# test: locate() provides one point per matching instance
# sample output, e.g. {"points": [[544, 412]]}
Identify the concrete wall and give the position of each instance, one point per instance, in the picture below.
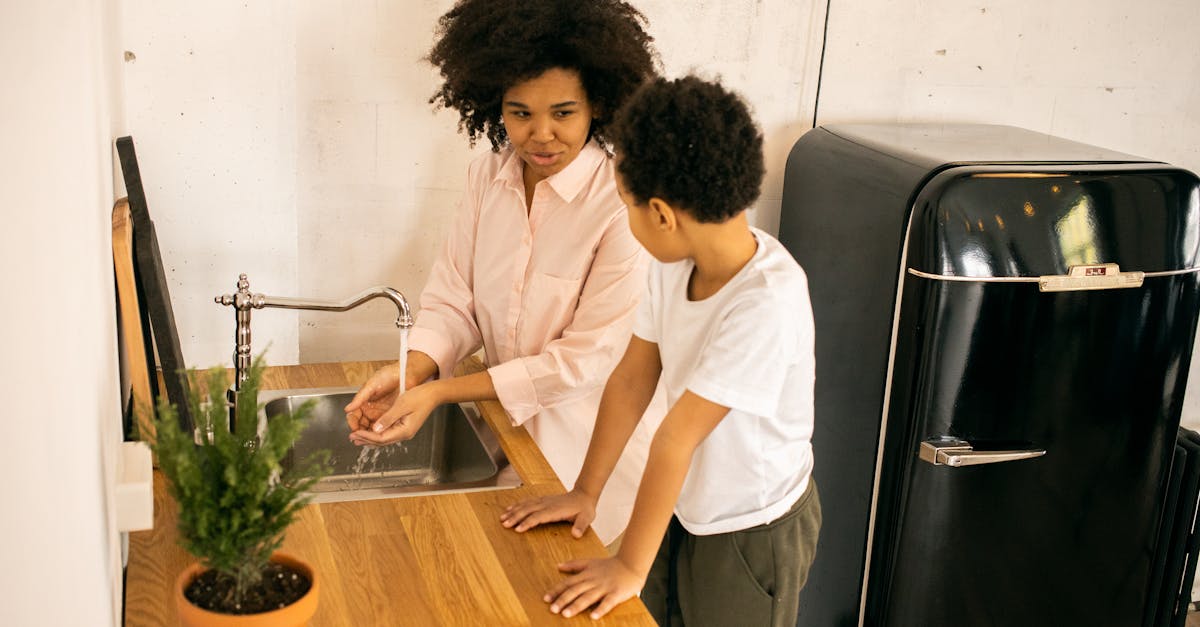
{"points": [[294, 142], [60, 551], [211, 108]]}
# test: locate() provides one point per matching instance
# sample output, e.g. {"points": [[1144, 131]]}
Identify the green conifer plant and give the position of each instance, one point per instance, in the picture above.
{"points": [[235, 498]]}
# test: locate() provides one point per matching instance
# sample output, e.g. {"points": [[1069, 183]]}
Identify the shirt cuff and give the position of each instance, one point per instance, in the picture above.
{"points": [[515, 390], [437, 347]]}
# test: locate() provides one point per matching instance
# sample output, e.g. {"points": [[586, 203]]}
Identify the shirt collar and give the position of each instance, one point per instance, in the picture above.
{"points": [[568, 182]]}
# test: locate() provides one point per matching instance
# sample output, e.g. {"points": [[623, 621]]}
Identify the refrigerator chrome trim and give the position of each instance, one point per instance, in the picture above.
{"points": [[1021, 279], [887, 401]]}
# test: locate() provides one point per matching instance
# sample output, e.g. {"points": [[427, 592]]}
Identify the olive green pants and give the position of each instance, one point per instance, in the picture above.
{"points": [[744, 578]]}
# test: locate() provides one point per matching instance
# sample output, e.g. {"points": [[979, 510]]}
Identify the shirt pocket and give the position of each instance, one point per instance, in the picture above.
{"points": [[549, 307]]}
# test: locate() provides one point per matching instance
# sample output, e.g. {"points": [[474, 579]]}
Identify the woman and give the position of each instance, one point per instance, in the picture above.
{"points": [[540, 268]]}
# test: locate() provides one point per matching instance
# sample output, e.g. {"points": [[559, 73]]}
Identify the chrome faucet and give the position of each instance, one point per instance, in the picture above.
{"points": [[243, 301]]}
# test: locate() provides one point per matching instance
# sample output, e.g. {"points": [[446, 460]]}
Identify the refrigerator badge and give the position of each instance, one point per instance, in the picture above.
{"points": [[1102, 276]]}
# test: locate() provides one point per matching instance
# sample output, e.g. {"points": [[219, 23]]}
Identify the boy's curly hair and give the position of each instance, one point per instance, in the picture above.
{"points": [[484, 47], [692, 144]]}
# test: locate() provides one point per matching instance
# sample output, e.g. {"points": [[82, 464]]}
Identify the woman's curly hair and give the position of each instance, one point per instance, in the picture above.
{"points": [[692, 144], [485, 47]]}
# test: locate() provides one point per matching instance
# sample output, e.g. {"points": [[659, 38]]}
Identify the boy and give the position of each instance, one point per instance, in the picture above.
{"points": [[726, 323]]}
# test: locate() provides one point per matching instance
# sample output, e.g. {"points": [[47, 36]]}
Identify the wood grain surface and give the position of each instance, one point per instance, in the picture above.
{"points": [[420, 560], [132, 334]]}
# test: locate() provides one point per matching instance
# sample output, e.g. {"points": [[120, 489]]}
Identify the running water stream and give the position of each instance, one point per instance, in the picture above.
{"points": [[368, 457]]}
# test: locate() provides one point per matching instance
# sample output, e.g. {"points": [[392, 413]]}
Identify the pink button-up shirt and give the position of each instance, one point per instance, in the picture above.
{"points": [[550, 294]]}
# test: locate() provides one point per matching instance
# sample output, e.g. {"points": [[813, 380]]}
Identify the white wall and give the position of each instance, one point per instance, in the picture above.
{"points": [[59, 551], [308, 123], [212, 110], [380, 172], [1116, 74]]}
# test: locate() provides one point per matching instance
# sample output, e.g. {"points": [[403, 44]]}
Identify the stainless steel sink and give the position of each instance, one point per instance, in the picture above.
{"points": [[454, 451]]}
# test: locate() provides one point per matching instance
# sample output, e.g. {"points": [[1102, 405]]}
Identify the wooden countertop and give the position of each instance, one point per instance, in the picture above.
{"points": [[419, 560]]}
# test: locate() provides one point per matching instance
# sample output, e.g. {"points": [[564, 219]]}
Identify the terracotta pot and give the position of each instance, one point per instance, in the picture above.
{"points": [[294, 615]]}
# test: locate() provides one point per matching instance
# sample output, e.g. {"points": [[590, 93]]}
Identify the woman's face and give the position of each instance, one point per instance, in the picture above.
{"points": [[547, 119]]}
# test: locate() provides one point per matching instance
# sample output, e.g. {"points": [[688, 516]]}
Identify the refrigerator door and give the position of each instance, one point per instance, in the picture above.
{"points": [[1032, 411]]}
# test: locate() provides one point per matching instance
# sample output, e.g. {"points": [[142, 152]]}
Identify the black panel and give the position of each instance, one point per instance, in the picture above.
{"points": [[1180, 555], [152, 288], [1170, 505]]}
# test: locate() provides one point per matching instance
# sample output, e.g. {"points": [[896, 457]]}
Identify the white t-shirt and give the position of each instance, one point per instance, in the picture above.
{"points": [[748, 347]]}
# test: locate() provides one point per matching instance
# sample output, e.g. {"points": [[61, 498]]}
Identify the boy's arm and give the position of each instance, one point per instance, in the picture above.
{"points": [[628, 392], [610, 582], [626, 397]]}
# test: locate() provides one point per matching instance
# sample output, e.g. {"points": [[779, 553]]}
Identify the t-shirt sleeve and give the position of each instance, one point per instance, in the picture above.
{"points": [[644, 322], [745, 364]]}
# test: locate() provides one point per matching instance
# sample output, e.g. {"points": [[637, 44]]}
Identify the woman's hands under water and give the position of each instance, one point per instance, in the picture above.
{"points": [[404, 418], [379, 394]]}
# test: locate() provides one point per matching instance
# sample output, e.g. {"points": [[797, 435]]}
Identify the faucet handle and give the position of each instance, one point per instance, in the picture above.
{"points": [[242, 299]]}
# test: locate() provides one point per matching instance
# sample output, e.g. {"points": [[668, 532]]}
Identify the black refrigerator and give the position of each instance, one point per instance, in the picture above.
{"points": [[1004, 324]]}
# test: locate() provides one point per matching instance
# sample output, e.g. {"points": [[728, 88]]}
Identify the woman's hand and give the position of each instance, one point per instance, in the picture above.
{"points": [[404, 418], [374, 398], [574, 507], [604, 583], [378, 394]]}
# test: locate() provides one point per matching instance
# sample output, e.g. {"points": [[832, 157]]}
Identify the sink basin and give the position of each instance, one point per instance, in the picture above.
{"points": [[455, 450]]}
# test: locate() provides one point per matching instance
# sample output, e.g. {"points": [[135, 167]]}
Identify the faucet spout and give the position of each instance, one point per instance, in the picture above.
{"points": [[404, 317], [243, 301]]}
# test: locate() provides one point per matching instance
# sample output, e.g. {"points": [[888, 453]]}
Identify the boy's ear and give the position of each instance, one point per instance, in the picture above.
{"points": [[664, 216]]}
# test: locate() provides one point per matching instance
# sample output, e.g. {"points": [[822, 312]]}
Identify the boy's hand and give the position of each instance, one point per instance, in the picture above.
{"points": [[575, 507], [604, 583], [403, 419]]}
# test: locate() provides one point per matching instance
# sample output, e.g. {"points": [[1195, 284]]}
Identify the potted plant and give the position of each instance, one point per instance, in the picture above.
{"points": [[235, 503]]}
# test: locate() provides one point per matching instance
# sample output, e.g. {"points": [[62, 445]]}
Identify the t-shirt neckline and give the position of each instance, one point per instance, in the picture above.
{"points": [[758, 252]]}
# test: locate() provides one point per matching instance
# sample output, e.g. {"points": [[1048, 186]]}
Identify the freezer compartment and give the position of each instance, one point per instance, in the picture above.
{"points": [[1029, 221]]}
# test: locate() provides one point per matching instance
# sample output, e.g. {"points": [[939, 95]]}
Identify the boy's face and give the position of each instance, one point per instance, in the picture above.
{"points": [[547, 119], [647, 222]]}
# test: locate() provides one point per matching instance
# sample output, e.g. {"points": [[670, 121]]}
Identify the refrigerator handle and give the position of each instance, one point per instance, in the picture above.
{"points": [[955, 452]]}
